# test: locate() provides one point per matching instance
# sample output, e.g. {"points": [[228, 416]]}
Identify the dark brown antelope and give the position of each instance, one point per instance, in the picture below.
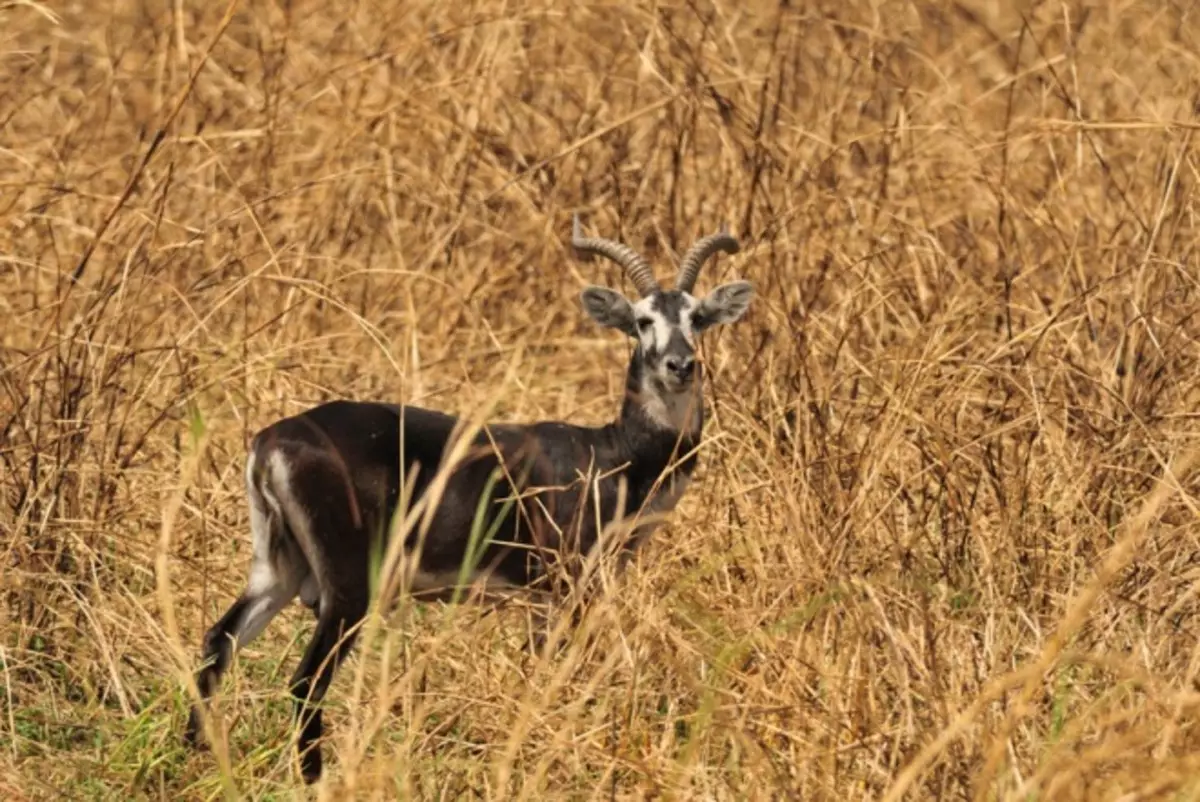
{"points": [[324, 485]]}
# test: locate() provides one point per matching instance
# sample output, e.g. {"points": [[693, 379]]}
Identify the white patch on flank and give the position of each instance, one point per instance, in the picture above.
{"points": [[299, 522], [250, 460], [271, 586], [262, 573]]}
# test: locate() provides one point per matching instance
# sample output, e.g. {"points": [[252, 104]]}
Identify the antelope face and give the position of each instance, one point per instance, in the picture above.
{"points": [[665, 325]]}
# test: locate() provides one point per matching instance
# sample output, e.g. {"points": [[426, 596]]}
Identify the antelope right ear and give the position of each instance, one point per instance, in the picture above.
{"points": [[609, 308], [725, 304]]}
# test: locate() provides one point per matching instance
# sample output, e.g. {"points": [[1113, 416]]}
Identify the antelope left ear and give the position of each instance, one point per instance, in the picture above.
{"points": [[725, 304], [609, 308]]}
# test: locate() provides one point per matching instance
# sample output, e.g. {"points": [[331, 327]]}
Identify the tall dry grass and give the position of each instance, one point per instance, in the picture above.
{"points": [[944, 544]]}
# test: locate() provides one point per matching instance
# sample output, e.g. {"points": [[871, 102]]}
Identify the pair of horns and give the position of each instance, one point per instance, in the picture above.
{"points": [[639, 269]]}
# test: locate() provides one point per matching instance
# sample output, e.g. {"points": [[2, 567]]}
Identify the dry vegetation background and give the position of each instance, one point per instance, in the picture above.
{"points": [[945, 541]]}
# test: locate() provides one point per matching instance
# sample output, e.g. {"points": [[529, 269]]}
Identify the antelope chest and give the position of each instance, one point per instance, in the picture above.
{"points": [[660, 505], [668, 496]]}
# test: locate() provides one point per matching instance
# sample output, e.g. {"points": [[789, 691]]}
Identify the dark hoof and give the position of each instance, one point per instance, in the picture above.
{"points": [[310, 764], [192, 735]]}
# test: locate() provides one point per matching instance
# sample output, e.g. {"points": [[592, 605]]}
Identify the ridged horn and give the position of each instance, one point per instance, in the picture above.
{"points": [[701, 252], [634, 264]]}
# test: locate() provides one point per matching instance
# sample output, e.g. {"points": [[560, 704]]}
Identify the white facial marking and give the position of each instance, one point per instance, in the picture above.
{"points": [[659, 332], [672, 409]]}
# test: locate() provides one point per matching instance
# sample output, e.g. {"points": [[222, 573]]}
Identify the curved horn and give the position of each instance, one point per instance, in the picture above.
{"points": [[635, 265], [701, 252]]}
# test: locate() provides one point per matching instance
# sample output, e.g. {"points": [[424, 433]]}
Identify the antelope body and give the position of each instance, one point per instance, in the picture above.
{"points": [[324, 485]]}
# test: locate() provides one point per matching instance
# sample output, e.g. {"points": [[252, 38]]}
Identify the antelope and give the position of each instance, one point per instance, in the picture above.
{"points": [[323, 483]]}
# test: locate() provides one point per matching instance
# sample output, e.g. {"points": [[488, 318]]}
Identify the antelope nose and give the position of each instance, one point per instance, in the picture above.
{"points": [[681, 366]]}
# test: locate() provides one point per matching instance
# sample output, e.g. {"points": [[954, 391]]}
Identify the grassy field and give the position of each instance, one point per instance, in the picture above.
{"points": [[944, 542]]}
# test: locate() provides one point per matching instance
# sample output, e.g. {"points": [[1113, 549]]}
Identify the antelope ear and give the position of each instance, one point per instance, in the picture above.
{"points": [[609, 308], [725, 304]]}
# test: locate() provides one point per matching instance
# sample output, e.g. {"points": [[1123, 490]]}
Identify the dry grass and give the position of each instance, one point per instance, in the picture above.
{"points": [[945, 542]]}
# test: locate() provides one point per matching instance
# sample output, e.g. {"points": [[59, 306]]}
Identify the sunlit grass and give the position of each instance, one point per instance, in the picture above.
{"points": [[943, 540]]}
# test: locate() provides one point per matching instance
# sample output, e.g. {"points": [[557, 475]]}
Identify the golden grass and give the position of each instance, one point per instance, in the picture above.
{"points": [[944, 544]]}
